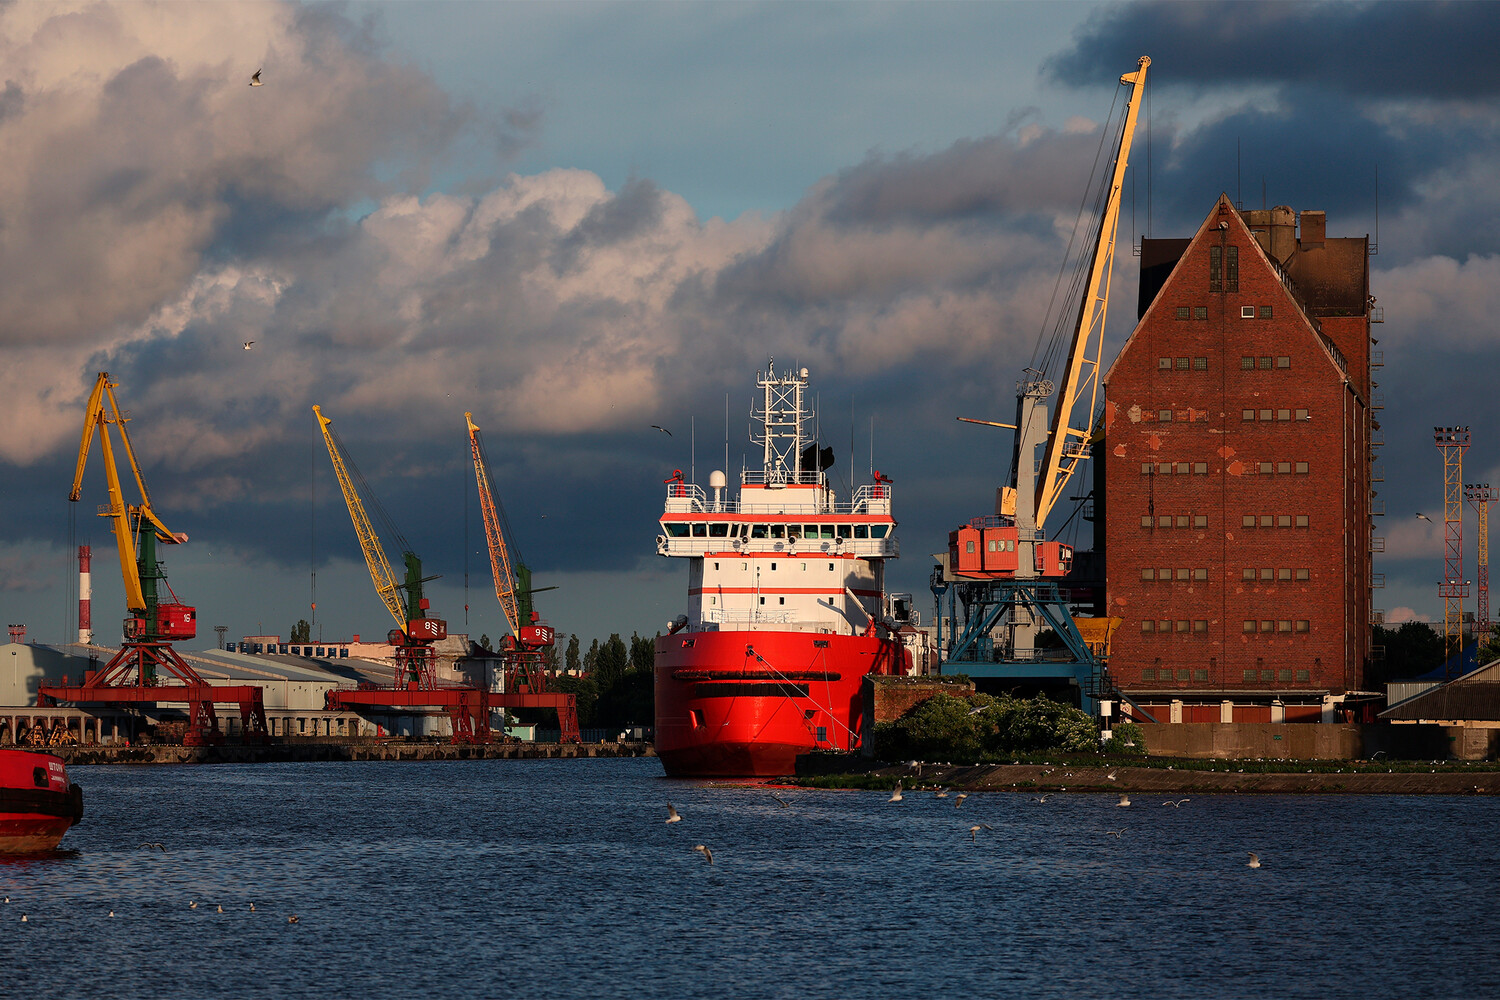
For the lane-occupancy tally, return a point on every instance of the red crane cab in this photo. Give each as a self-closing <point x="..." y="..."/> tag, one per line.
<point x="986" y="549"/>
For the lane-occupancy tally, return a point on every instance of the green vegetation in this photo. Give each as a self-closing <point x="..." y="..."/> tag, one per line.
<point x="617" y="686"/>
<point x="1411" y="649"/>
<point x="982" y="728"/>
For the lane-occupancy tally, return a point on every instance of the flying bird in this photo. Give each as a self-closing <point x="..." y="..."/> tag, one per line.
<point x="1116" y="833"/>
<point x="941" y="793"/>
<point x="249" y="344"/>
<point x="976" y="828"/>
<point x="662" y="429"/>
<point x="895" y="795"/>
<point x="780" y="801"/>
<point x="159" y="846"/>
<point x="705" y="852"/>
<point x="292" y="919"/>
<point x="1040" y="798"/>
<point x="959" y="799"/>
<point x="1423" y="517"/>
<point x="255" y="79"/>
<point x="1124" y="800"/>
<point x="976" y="711"/>
<point x="1175" y="803"/>
<point x="1254" y="861"/>
<point x="1111" y="775"/>
<point x="672" y="816"/>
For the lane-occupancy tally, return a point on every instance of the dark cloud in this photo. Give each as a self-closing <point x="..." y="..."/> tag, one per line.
<point x="1370" y="51"/>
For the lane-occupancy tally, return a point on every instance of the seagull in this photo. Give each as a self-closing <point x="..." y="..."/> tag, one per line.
<point x="976" y="711"/>
<point x="292" y="919"/>
<point x="1254" y="861"/>
<point x="1124" y="800"/>
<point x="1115" y="833"/>
<point x="1040" y="798"/>
<point x="157" y="845"/>
<point x="959" y="799"/>
<point x="915" y="765"/>
<point x="221" y="909"/>
<point x="662" y="429"/>
<point x="1423" y="517"/>
<point x="1111" y="775"/>
<point x="672" y="816"/>
<point x="705" y="852"/>
<point x="895" y="795"/>
<point x="249" y="344"/>
<point x="193" y="905"/>
<point x="111" y="912"/>
<point x="255" y="79"/>
<point x="976" y="828"/>
<point x="1175" y="804"/>
<point x="780" y="801"/>
<point x="941" y="793"/>
<point x="23" y="918"/>
<point x="252" y="907"/>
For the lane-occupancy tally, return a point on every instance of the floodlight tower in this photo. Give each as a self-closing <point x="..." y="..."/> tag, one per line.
<point x="1480" y="497"/>
<point x="1453" y="442"/>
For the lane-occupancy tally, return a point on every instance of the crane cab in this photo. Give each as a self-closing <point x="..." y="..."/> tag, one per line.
<point x="987" y="549"/>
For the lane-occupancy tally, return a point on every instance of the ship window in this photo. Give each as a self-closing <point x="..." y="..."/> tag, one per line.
<point x="716" y="565"/>
<point x="830" y="567"/>
<point x="758" y="531"/>
<point x="809" y="531"/>
<point x="39" y="777"/>
<point x="676" y="530"/>
<point x="778" y="531"/>
<point x="700" y="530"/>
<point x="968" y="548"/>
<point x="773" y="567"/>
<point x="827" y="531"/>
<point x="744" y="565"/>
<point x="861" y="531"/>
<point x="781" y="600"/>
<point x="844" y="532"/>
<point x="719" y="530"/>
<point x="879" y="530"/>
<point x="762" y="600"/>
<point x="804" y="567"/>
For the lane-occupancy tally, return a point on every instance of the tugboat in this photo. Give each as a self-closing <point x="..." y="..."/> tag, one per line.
<point x="787" y="604"/>
<point x="37" y="803"/>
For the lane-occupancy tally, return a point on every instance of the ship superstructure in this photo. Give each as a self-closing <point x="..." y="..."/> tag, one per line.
<point x="787" y="608"/>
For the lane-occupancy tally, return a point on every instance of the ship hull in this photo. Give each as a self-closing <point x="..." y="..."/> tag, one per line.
<point x="746" y="703"/>
<point x="37" y="803"/>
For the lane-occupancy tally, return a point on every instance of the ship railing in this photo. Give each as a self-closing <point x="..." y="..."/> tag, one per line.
<point x="689" y="498"/>
<point x="804" y="478"/>
<point x="885" y="548"/>
<point x="734" y="616"/>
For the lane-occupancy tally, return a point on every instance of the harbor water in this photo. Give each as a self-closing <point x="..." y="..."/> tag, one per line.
<point x="560" y="878"/>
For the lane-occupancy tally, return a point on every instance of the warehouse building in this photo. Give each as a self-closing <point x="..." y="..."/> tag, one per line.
<point x="1237" y="467"/>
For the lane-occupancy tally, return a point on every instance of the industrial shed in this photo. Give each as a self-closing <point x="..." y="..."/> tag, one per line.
<point x="1468" y="710"/>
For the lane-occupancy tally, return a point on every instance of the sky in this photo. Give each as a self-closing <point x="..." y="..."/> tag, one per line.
<point x="579" y="220"/>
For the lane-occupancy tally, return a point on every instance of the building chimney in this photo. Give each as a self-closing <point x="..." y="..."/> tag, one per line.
<point x="85" y="597"/>
<point x="1314" y="228"/>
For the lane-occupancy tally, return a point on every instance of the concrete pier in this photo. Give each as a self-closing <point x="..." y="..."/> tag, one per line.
<point x="335" y="751"/>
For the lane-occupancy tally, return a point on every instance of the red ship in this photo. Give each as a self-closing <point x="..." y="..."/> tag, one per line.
<point x="788" y="610"/>
<point x="37" y="803"/>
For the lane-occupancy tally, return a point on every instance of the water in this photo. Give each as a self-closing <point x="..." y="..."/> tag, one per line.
<point x="543" y="879"/>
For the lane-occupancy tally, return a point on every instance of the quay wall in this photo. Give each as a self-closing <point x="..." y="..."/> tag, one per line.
<point x="326" y="750"/>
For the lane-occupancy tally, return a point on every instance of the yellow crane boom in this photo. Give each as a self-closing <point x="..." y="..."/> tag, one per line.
<point x="380" y="567"/>
<point x="500" y="567"/>
<point x="103" y="410"/>
<point x="1068" y="445"/>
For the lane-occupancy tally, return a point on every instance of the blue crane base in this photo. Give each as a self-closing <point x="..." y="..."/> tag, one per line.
<point x="986" y="604"/>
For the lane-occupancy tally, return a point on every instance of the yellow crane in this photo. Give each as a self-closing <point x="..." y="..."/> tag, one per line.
<point x="500" y="567"/>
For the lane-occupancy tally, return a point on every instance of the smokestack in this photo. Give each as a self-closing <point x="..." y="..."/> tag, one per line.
<point x="85" y="597"/>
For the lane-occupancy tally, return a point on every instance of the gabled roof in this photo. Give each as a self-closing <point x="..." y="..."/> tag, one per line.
<point x="1474" y="696"/>
<point x="1224" y="213"/>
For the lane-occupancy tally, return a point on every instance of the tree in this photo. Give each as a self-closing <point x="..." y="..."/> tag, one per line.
<point x="591" y="658"/>
<point x="570" y="660"/>
<point x="642" y="653"/>
<point x="612" y="661"/>
<point x="301" y="632"/>
<point x="1411" y="649"/>
<point x="484" y="640"/>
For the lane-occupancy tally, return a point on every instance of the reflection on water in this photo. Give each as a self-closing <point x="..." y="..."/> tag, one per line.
<point x="561" y="878"/>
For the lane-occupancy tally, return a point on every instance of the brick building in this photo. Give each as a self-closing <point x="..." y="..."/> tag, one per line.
<point x="1237" y="471"/>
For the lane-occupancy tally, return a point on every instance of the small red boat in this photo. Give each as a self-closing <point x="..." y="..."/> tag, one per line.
<point x="37" y="803"/>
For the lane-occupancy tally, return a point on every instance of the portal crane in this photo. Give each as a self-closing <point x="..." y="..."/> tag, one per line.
<point x="1001" y="566"/>
<point x="152" y="624"/>
<point x="525" y="680"/>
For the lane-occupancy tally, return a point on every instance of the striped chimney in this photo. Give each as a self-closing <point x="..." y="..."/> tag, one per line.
<point x="85" y="597"/>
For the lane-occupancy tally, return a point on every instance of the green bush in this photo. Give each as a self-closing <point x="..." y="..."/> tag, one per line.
<point x="982" y="727"/>
<point x="1129" y="741"/>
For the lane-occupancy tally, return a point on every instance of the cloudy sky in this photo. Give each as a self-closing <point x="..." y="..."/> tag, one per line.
<point x="579" y="220"/>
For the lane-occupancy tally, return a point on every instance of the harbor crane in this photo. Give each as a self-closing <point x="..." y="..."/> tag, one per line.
<point x="135" y="674"/>
<point x="525" y="684"/>
<point x="1002" y="567"/>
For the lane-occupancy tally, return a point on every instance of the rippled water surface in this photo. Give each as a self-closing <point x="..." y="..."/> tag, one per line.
<point x="559" y="878"/>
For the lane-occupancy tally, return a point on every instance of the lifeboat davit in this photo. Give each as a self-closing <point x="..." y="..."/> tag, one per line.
<point x="37" y="803"/>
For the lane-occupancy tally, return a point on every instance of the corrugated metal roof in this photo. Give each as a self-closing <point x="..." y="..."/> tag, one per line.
<point x="1474" y="697"/>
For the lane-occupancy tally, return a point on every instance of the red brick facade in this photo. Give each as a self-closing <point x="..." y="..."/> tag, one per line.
<point x="1237" y="467"/>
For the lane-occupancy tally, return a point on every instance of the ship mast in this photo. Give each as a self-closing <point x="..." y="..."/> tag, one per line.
<point x="783" y="421"/>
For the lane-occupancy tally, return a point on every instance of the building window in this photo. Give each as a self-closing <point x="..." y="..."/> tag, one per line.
<point x="1147" y="468"/>
<point x="1199" y="674"/>
<point x="1284" y="573"/>
<point x="1215" y="269"/>
<point x="1303" y="415"/>
<point x="1263" y="467"/>
<point x="1283" y="675"/>
<point x="1232" y="270"/>
<point x="1247" y="414"/>
<point x="1200" y="574"/>
<point x="1267" y="675"/>
<point x="1266" y="414"/>
<point x="1182" y="675"/>
<point x="1249" y="625"/>
<point x="1145" y="520"/>
<point x="1301" y="467"/>
<point x="1148" y="574"/>
<point x="1267" y="626"/>
<point x="1283" y="468"/>
<point x="1200" y="312"/>
<point x="1182" y="574"/>
<point x="1148" y="674"/>
<point x="1200" y="468"/>
<point x="1148" y="627"/>
<point x="1283" y="414"/>
<point x="1265" y="520"/>
<point x="1182" y="520"/>
<point x="1247" y="363"/>
<point x="1249" y="676"/>
<point x="1163" y="626"/>
<point x="1247" y="574"/>
<point x="1283" y="361"/>
<point x="1200" y="520"/>
<point x="1182" y="364"/>
<point x="1301" y="520"/>
<point x="1182" y="312"/>
<point x="1264" y="364"/>
<point x="1200" y="364"/>
<point x="1302" y="574"/>
<point x="1165" y="469"/>
<point x="1164" y="520"/>
<point x="1181" y="470"/>
<point x="1265" y="312"/>
<point x="1303" y="625"/>
<point x="1283" y="520"/>
<point x="1247" y="312"/>
<point x="1165" y="416"/>
<point x="1200" y="625"/>
<point x="1163" y="363"/>
<point x="1248" y="521"/>
<point x="1183" y="625"/>
<point x="1266" y="574"/>
<point x="1285" y="625"/>
<point x="1302" y="676"/>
